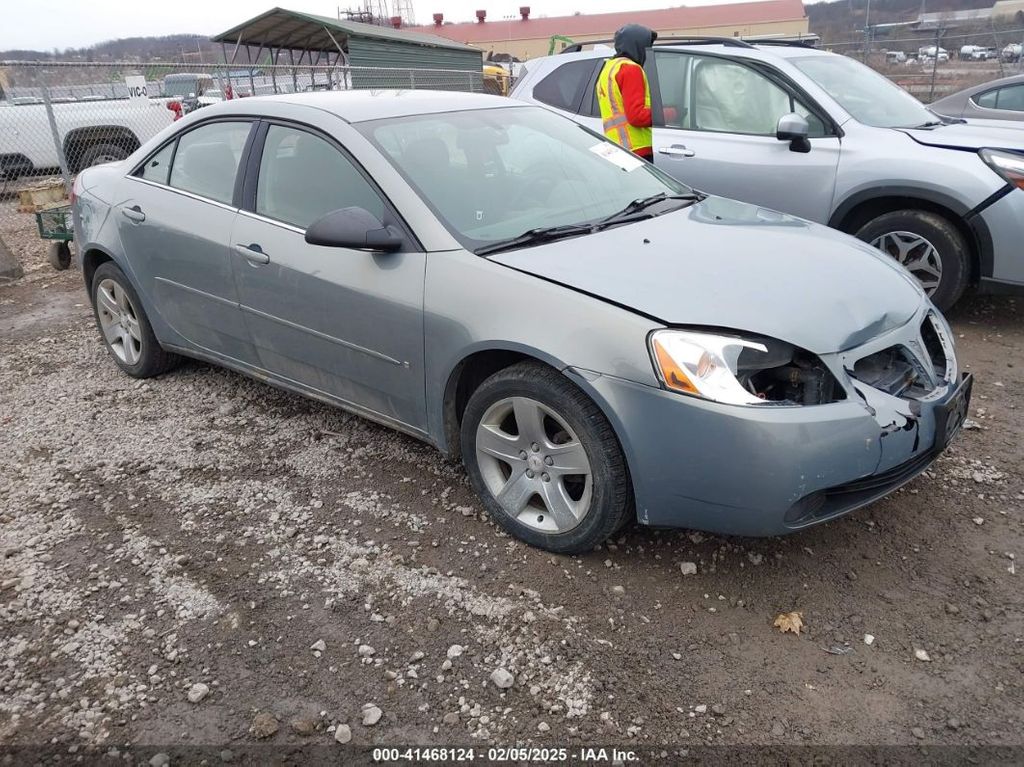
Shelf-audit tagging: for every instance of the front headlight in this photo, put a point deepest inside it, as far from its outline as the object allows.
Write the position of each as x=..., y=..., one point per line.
x=703, y=364
x=738, y=370
x=1007, y=164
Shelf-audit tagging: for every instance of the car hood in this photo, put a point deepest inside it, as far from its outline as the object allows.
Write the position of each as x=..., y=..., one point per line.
x=726, y=264
x=970, y=135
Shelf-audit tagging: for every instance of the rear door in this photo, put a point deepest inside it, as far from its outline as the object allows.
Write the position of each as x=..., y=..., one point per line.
x=716, y=120
x=176, y=230
x=345, y=323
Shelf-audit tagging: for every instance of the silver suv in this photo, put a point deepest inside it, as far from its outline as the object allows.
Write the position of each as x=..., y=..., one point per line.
x=821, y=136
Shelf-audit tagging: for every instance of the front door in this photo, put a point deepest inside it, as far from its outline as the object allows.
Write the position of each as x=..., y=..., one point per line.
x=176, y=229
x=717, y=134
x=346, y=323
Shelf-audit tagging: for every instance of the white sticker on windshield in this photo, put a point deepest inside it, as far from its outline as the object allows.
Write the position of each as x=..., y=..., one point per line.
x=625, y=160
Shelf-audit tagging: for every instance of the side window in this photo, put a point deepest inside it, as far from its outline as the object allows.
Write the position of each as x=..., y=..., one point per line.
x=987, y=99
x=710, y=94
x=303, y=177
x=563, y=88
x=158, y=167
x=1011, y=98
x=207, y=159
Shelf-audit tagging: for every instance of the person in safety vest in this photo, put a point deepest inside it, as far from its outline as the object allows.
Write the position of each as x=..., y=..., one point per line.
x=623, y=93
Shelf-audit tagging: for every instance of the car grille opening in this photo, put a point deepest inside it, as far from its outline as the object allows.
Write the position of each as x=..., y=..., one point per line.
x=891, y=370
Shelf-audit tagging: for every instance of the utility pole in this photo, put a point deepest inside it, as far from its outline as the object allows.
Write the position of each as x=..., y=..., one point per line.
x=935, y=63
x=867, y=31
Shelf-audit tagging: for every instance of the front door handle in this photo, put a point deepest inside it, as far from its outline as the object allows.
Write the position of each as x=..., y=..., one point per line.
x=676, y=150
x=134, y=213
x=253, y=253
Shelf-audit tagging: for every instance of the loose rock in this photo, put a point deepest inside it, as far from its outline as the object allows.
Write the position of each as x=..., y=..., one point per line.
x=264, y=725
x=343, y=733
x=371, y=714
x=688, y=568
x=197, y=692
x=502, y=678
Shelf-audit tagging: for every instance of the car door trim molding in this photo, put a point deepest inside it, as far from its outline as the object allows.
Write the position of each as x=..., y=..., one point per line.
x=274, y=221
x=183, y=193
x=324, y=336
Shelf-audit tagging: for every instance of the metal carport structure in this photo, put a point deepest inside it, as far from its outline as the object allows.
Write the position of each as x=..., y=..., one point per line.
x=367, y=55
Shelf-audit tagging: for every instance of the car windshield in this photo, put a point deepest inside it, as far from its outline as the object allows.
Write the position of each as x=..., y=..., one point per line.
x=868, y=96
x=495, y=174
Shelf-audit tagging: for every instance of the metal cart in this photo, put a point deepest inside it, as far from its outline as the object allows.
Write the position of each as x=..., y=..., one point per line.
x=55, y=224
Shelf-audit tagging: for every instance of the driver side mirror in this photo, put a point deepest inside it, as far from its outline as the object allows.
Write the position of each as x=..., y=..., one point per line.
x=794, y=129
x=353, y=228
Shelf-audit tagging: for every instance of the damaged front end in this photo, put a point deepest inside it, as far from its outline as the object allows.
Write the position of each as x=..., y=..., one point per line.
x=908, y=380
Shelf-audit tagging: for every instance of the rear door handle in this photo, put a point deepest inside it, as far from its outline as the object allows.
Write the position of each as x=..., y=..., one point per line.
x=253, y=253
x=676, y=150
x=134, y=213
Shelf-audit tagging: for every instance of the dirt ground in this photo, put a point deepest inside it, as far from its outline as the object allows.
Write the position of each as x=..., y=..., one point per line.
x=203, y=559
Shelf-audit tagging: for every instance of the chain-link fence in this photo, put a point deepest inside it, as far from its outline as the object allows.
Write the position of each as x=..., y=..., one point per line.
x=932, y=63
x=58, y=118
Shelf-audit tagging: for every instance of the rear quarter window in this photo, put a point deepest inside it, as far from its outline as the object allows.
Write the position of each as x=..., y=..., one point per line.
x=563, y=88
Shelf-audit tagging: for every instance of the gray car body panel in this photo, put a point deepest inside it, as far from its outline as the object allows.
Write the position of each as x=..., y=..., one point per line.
x=939, y=166
x=385, y=335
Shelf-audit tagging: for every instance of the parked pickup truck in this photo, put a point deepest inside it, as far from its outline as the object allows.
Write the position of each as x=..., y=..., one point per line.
x=91, y=132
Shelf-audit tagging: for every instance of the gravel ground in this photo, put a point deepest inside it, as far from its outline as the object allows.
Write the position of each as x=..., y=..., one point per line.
x=203, y=559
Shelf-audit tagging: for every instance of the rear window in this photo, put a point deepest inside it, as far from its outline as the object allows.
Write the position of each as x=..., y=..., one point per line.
x=564, y=87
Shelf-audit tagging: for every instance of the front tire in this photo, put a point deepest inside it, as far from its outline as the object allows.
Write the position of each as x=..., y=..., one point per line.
x=544, y=460
x=929, y=246
x=124, y=327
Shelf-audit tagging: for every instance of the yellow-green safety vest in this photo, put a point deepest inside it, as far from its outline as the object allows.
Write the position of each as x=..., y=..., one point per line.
x=613, y=108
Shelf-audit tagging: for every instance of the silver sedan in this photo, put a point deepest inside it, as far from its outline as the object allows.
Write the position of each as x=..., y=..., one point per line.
x=596, y=341
x=1001, y=99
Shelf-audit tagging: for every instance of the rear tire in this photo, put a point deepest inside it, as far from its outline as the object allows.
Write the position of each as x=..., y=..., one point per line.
x=97, y=154
x=929, y=245
x=124, y=327
x=550, y=453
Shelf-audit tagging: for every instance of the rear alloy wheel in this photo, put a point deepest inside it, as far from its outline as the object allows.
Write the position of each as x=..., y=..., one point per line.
x=124, y=326
x=930, y=248
x=544, y=460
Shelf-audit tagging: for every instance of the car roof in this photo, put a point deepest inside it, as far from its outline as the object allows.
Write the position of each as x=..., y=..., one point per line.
x=959, y=98
x=750, y=50
x=363, y=105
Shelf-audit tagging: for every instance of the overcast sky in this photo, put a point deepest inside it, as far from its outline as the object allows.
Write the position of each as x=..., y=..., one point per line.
x=48, y=24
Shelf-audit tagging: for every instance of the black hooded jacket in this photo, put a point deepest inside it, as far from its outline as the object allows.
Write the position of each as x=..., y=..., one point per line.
x=632, y=42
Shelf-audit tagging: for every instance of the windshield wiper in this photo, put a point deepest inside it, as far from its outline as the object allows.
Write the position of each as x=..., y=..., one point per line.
x=535, y=237
x=628, y=213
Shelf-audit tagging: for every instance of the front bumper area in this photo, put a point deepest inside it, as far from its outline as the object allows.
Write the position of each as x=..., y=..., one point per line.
x=999, y=228
x=767, y=470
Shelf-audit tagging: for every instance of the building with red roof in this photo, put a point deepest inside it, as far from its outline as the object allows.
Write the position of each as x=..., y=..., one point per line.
x=528, y=35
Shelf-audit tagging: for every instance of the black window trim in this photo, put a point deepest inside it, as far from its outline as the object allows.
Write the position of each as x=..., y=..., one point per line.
x=778, y=78
x=998, y=90
x=251, y=166
x=579, y=98
x=253, y=120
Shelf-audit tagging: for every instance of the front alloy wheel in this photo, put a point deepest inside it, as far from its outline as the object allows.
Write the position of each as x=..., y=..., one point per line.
x=928, y=245
x=917, y=254
x=534, y=465
x=544, y=459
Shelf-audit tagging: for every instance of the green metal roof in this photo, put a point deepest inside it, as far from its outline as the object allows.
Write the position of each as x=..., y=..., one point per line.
x=295, y=30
